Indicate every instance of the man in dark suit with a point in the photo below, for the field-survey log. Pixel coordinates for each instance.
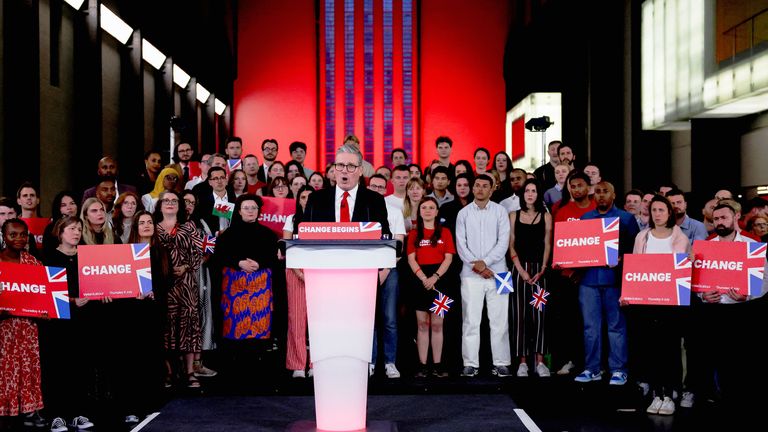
(218, 192)
(348, 201)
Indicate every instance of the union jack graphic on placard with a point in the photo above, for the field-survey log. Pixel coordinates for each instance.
(369, 226)
(234, 164)
(539, 298)
(611, 245)
(56, 274)
(756, 259)
(144, 277)
(441, 304)
(682, 274)
(140, 251)
(61, 303)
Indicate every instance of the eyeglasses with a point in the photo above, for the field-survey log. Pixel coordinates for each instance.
(217, 178)
(377, 187)
(761, 225)
(185, 150)
(282, 186)
(172, 178)
(189, 202)
(169, 201)
(249, 208)
(346, 167)
(269, 149)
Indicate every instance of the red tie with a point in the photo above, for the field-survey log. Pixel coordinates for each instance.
(344, 210)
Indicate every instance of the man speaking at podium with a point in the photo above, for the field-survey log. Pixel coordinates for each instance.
(347, 202)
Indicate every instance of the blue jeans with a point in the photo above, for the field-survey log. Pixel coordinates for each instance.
(387, 304)
(600, 304)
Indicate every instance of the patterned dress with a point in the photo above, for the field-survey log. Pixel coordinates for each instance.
(182, 332)
(20, 362)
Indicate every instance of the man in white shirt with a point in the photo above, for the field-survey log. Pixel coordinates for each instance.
(388, 290)
(400, 177)
(482, 240)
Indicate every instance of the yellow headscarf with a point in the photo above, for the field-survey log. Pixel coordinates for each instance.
(159, 182)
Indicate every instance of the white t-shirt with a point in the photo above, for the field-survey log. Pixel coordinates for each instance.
(658, 245)
(395, 202)
(288, 226)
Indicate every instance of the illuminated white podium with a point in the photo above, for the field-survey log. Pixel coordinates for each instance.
(341, 279)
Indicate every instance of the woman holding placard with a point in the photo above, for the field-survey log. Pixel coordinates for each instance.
(529, 250)
(655, 330)
(20, 392)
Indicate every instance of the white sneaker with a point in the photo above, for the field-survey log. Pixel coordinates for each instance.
(391, 370)
(687, 400)
(131, 419)
(522, 370)
(667, 407)
(298, 374)
(310, 373)
(59, 425)
(371, 369)
(645, 387)
(566, 369)
(542, 370)
(81, 423)
(654, 407)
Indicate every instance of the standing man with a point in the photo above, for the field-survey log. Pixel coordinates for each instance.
(512, 202)
(593, 172)
(234, 148)
(347, 202)
(546, 173)
(216, 193)
(107, 194)
(599, 293)
(398, 157)
(440, 183)
(566, 156)
(269, 149)
(148, 176)
(184, 156)
(692, 228)
(108, 169)
(251, 169)
(28, 200)
(299, 154)
(388, 291)
(400, 177)
(444, 146)
(482, 239)
(205, 165)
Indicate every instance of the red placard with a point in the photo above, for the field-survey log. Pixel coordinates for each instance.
(275, 211)
(34, 291)
(657, 279)
(586, 243)
(37, 228)
(117, 271)
(724, 265)
(339, 231)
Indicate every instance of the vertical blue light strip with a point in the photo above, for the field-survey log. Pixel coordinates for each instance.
(349, 66)
(408, 76)
(368, 77)
(388, 48)
(330, 72)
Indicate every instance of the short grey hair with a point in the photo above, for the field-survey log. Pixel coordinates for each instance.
(351, 149)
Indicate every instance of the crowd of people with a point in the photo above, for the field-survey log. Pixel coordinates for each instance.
(462, 225)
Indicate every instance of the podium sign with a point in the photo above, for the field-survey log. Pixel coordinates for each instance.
(657, 279)
(339, 231)
(586, 243)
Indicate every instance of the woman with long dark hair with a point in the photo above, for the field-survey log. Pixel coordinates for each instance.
(529, 249)
(177, 235)
(430, 252)
(64, 204)
(296, 351)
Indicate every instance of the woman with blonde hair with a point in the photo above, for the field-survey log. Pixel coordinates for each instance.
(414, 192)
(96, 227)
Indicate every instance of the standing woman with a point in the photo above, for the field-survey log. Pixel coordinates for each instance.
(430, 252)
(298, 182)
(238, 182)
(296, 351)
(482, 158)
(529, 249)
(67, 379)
(182, 331)
(64, 204)
(278, 188)
(96, 229)
(656, 330)
(19, 347)
(502, 164)
(414, 192)
(318, 182)
(463, 196)
(243, 249)
(126, 206)
(167, 180)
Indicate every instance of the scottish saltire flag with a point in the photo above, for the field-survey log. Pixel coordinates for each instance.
(611, 245)
(208, 244)
(504, 282)
(683, 267)
(224, 210)
(234, 164)
(140, 251)
(441, 304)
(539, 298)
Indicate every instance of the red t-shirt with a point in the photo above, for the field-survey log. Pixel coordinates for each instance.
(428, 254)
(571, 211)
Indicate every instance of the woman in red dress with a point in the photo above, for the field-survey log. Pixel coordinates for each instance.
(19, 347)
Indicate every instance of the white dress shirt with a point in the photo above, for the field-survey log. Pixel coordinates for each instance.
(350, 200)
(482, 234)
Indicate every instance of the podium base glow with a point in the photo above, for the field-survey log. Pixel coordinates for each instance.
(340, 311)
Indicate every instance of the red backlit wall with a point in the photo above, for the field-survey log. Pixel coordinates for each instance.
(276, 86)
(461, 89)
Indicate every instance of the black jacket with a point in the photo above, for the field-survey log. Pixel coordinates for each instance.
(369, 207)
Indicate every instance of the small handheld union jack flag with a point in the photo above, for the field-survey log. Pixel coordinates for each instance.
(441, 304)
(209, 244)
(539, 298)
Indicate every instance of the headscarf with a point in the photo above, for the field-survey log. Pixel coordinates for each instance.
(159, 182)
